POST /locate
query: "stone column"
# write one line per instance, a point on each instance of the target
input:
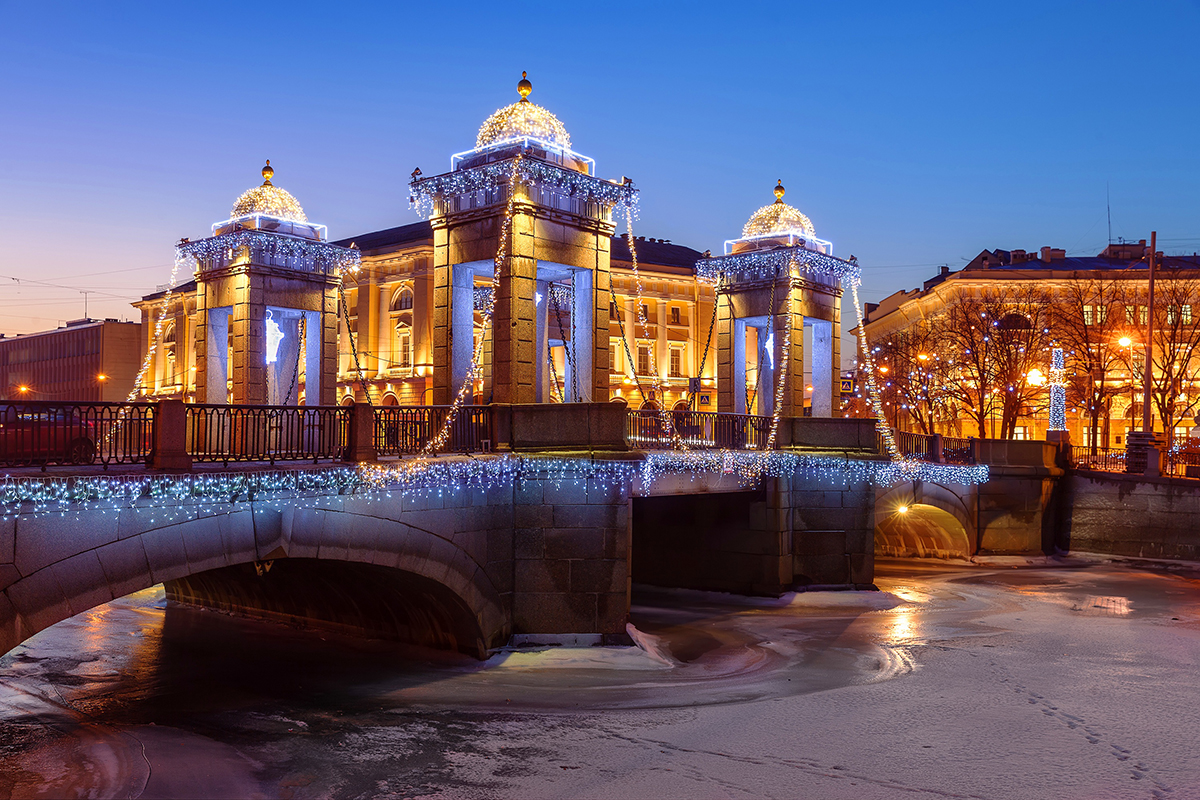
(792, 315)
(822, 368)
(541, 366)
(583, 334)
(600, 298)
(631, 337)
(726, 357)
(385, 336)
(515, 329)
(422, 322)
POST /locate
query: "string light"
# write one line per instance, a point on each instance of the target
(530, 172)
(778, 218)
(268, 201)
(764, 264)
(663, 414)
(522, 120)
(266, 247)
(475, 370)
(189, 496)
(1058, 391)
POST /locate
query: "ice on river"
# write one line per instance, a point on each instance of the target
(1048, 681)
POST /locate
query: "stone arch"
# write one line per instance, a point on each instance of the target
(113, 557)
(923, 519)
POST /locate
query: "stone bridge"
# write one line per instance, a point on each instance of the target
(546, 546)
(1016, 512)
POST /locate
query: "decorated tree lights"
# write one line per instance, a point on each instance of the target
(1058, 391)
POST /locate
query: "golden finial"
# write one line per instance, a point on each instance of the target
(779, 190)
(267, 173)
(524, 88)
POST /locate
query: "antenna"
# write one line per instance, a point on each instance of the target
(1108, 202)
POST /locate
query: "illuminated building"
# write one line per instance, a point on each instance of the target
(563, 321)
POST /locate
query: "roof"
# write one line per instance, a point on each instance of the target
(182, 288)
(390, 237)
(655, 251)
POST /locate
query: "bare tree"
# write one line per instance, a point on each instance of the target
(1089, 323)
(907, 361)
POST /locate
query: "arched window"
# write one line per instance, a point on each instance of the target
(402, 300)
(348, 400)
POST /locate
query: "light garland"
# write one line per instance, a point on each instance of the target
(663, 414)
(188, 496)
(778, 218)
(270, 201)
(1058, 391)
(475, 370)
(312, 256)
(889, 437)
(522, 120)
(529, 171)
(780, 376)
(182, 259)
(763, 264)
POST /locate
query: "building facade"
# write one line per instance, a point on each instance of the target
(410, 320)
(969, 353)
(87, 360)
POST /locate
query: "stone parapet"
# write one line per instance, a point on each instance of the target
(533, 427)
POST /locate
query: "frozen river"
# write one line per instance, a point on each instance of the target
(1076, 680)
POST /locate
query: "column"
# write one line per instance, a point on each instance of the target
(583, 332)
(462, 325)
(385, 337)
(822, 368)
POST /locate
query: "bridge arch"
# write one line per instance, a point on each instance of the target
(239, 559)
(923, 519)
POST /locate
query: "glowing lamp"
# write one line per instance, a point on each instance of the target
(1035, 377)
(902, 509)
(1125, 341)
(101, 377)
(23, 389)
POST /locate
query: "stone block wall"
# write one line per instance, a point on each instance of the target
(1130, 515)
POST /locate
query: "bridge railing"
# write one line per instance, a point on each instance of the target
(47, 433)
(266, 433)
(646, 430)
(401, 430)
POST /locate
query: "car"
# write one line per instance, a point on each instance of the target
(43, 435)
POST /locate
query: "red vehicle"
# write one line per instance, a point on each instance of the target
(51, 435)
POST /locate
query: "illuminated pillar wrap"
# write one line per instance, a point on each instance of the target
(1058, 391)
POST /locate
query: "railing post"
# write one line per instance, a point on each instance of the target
(170, 436)
(974, 450)
(937, 452)
(360, 434)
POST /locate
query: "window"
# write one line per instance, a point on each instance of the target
(643, 357)
(674, 315)
(616, 355)
(404, 357)
(1021, 432)
(1135, 315)
(676, 360)
(1179, 314)
(402, 300)
(1094, 315)
(612, 310)
(645, 312)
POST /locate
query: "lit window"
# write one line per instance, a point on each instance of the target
(674, 315)
(676, 361)
(643, 359)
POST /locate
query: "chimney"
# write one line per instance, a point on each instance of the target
(945, 271)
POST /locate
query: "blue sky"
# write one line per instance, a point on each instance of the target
(912, 134)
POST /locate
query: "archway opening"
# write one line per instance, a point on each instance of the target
(921, 531)
(347, 597)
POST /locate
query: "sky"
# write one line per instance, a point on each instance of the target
(913, 135)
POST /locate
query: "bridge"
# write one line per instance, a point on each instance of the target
(533, 522)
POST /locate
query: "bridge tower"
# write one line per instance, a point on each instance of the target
(266, 303)
(778, 284)
(548, 338)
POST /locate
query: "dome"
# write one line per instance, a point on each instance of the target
(520, 120)
(269, 201)
(778, 219)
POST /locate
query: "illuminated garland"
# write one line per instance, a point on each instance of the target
(663, 414)
(889, 437)
(763, 264)
(313, 255)
(181, 259)
(271, 201)
(475, 371)
(783, 365)
(173, 497)
(529, 171)
(1058, 391)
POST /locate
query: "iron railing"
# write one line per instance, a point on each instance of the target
(914, 445)
(266, 433)
(43, 433)
(407, 429)
(957, 450)
(646, 430)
